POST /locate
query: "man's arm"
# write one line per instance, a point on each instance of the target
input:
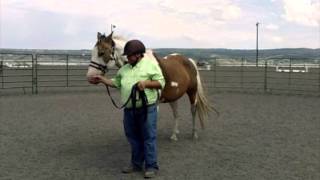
(151, 84)
(104, 80)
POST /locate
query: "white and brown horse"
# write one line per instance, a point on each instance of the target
(181, 76)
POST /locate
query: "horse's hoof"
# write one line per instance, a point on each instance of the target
(174, 138)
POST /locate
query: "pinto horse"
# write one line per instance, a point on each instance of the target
(180, 73)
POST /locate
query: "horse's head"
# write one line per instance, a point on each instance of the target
(105, 47)
(102, 56)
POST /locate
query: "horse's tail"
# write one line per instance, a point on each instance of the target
(203, 107)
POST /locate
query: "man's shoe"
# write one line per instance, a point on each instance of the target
(130, 169)
(151, 173)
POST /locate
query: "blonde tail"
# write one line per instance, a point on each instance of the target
(203, 106)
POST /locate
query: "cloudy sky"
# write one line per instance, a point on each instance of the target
(73, 24)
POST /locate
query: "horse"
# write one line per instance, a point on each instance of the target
(180, 73)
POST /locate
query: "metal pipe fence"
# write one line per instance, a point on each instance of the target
(33, 72)
(290, 77)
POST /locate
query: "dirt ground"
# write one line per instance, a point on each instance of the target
(79, 135)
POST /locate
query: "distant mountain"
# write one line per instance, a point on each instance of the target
(202, 54)
(249, 55)
(46, 51)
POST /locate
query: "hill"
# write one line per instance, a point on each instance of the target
(249, 55)
(302, 54)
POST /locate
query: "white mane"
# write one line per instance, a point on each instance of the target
(119, 46)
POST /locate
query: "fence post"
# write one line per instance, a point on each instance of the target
(319, 77)
(265, 76)
(214, 72)
(241, 73)
(1, 72)
(36, 67)
(67, 70)
(34, 74)
(290, 70)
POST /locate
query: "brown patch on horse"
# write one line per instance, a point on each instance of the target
(180, 76)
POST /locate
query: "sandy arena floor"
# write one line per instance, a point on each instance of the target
(79, 135)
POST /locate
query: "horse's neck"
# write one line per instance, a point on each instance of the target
(149, 55)
(120, 42)
(119, 46)
(120, 60)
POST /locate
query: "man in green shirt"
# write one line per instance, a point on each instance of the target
(140, 127)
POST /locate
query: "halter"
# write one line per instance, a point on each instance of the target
(102, 67)
(98, 66)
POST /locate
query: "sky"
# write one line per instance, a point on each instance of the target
(73, 24)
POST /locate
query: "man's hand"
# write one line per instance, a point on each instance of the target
(141, 85)
(101, 79)
(94, 79)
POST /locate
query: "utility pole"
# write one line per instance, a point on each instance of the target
(257, 49)
(112, 27)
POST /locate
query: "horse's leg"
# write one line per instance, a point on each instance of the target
(194, 128)
(175, 131)
(193, 103)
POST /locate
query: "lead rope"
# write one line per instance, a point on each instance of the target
(114, 103)
(133, 97)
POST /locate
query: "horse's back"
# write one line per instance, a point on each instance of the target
(180, 75)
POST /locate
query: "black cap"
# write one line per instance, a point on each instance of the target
(134, 47)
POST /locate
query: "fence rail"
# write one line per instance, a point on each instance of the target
(32, 72)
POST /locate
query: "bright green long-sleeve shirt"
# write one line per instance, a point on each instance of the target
(127, 76)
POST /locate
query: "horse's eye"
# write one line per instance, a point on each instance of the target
(100, 54)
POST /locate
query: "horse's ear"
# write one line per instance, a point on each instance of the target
(110, 36)
(99, 35)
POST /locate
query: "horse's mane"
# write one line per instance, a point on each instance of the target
(118, 37)
(120, 43)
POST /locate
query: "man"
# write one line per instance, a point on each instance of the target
(140, 127)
